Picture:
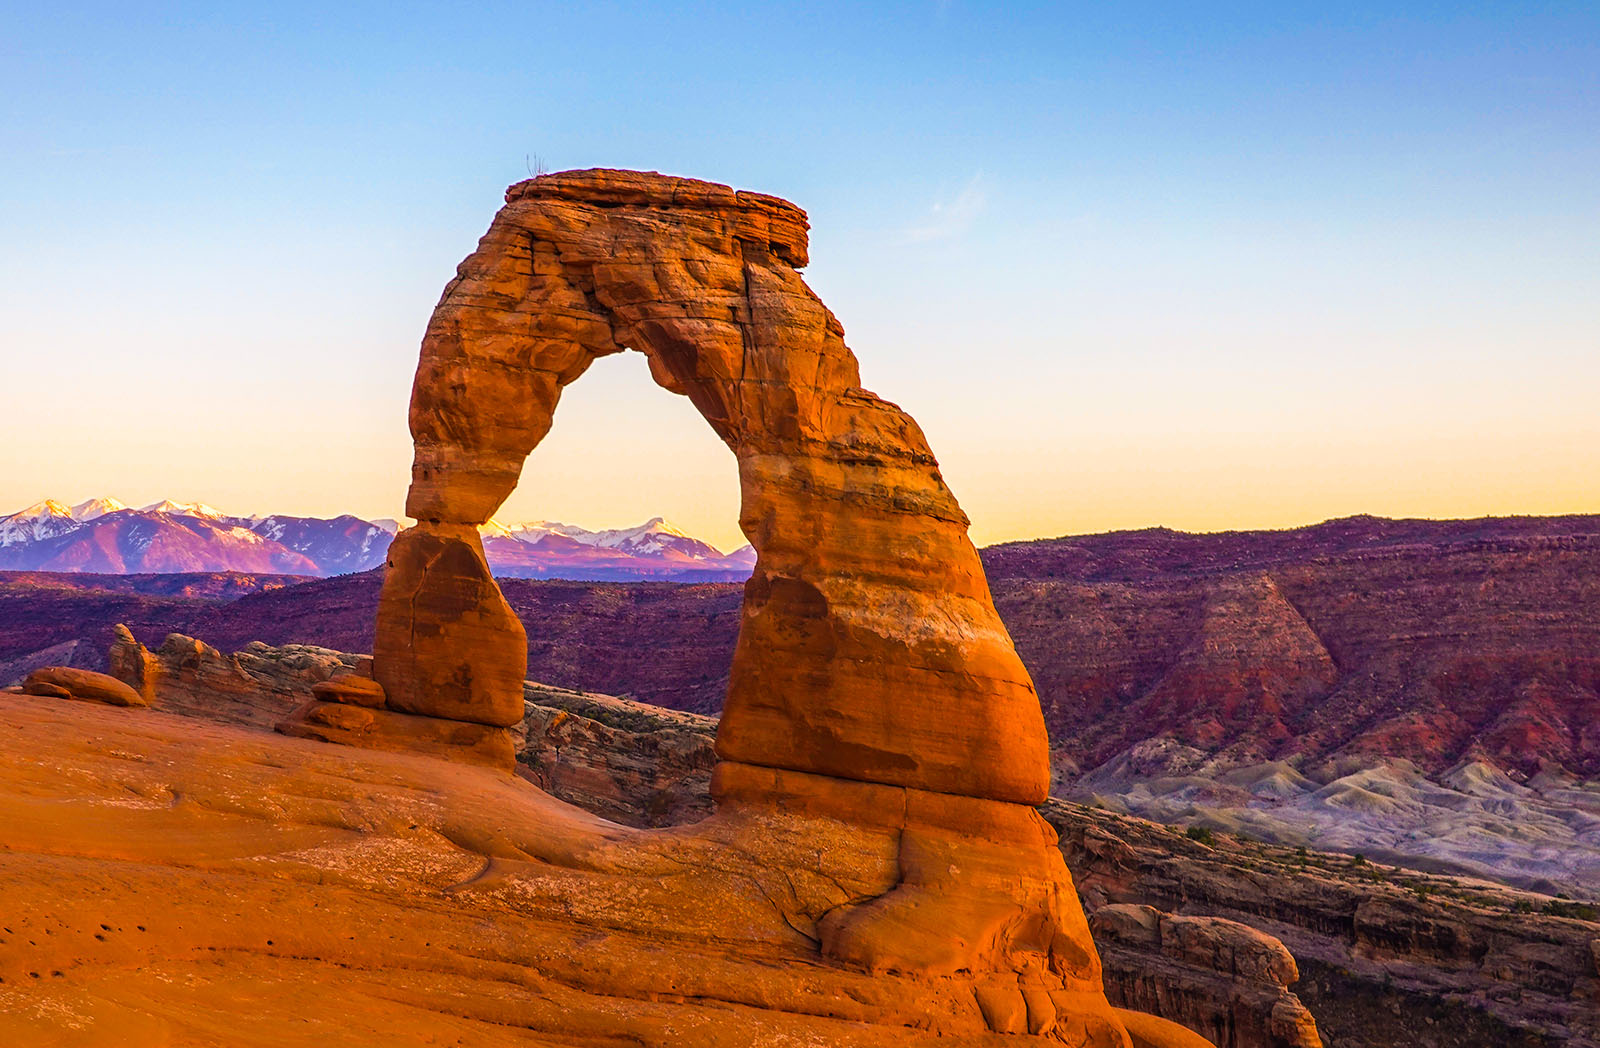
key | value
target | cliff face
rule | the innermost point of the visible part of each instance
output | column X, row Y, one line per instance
column 1219, row 977
column 632, row 763
column 1431, row 641
column 1448, row 962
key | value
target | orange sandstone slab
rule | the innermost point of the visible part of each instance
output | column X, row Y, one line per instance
column 171, row 882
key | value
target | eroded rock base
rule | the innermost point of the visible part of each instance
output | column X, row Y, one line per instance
column 162, row 877
column 349, row 724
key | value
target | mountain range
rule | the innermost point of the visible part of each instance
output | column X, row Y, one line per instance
column 105, row 536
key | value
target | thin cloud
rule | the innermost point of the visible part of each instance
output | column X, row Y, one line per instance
column 954, row 216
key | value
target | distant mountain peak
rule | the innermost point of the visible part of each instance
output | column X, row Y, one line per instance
column 44, row 519
column 183, row 509
column 41, row 510
column 94, row 508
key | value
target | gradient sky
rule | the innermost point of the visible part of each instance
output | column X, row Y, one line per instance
column 1207, row 266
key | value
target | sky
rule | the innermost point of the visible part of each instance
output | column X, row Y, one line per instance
column 1202, row 266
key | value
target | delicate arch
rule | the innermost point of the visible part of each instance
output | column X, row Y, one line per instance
column 869, row 647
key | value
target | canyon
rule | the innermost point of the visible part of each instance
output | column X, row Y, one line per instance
column 1419, row 691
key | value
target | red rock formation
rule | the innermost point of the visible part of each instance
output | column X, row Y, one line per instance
column 873, row 687
column 256, row 687
column 869, row 647
column 448, row 645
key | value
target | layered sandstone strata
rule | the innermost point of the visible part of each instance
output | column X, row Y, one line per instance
column 1385, row 956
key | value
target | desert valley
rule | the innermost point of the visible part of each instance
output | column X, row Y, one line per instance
column 461, row 585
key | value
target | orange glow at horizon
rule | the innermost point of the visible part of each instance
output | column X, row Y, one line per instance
column 623, row 450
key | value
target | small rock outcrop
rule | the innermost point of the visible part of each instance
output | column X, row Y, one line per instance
column 1213, row 975
column 258, row 686
column 68, row 682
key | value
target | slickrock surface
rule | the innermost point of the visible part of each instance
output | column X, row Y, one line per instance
column 168, row 881
column 645, row 766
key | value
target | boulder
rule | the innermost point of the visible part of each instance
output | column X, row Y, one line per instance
column 45, row 689
column 83, row 684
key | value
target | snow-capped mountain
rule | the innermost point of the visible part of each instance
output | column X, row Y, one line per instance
column 104, row 535
column 40, row 521
column 652, row 550
column 180, row 509
column 86, row 511
column 49, row 518
column 653, row 536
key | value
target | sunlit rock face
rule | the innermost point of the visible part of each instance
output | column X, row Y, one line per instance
column 869, row 647
column 877, row 712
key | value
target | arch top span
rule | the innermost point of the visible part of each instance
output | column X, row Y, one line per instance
column 750, row 216
column 869, row 647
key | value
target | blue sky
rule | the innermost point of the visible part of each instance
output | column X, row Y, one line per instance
column 1197, row 265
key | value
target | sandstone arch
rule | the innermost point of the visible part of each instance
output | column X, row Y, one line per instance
column 877, row 714
column 869, row 648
